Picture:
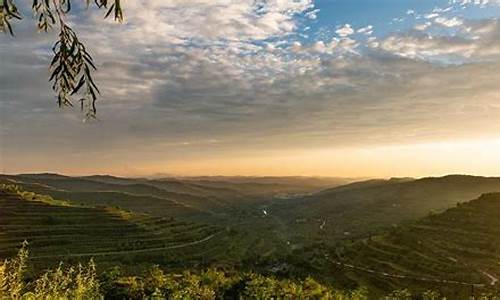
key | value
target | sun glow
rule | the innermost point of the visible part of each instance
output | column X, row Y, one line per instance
column 479, row 157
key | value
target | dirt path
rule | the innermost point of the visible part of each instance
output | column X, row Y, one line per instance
column 400, row 276
column 96, row 254
column 493, row 279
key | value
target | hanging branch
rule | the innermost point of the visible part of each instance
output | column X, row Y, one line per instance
column 8, row 11
column 72, row 66
column 71, row 71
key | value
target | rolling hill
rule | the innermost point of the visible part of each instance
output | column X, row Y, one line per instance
column 364, row 208
column 455, row 252
column 170, row 197
column 358, row 224
column 76, row 185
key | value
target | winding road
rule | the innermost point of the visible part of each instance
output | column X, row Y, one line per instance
column 492, row 278
column 95, row 254
column 400, row 276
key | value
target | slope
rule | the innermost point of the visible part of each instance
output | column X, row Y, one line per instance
column 358, row 210
column 443, row 252
column 57, row 231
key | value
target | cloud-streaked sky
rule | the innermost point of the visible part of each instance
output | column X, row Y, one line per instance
column 255, row 87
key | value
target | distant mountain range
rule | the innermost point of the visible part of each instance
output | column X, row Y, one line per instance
column 169, row 196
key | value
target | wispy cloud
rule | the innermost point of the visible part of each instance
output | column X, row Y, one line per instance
column 180, row 75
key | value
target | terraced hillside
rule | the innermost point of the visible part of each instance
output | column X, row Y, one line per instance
column 448, row 252
column 56, row 231
column 192, row 198
column 362, row 209
column 57, row 185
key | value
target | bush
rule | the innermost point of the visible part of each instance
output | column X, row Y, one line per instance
column 69, row 283
column 12, row 275
column 399, row 295
column 82, row 283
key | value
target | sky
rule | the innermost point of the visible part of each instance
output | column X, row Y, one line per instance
column 350, row 88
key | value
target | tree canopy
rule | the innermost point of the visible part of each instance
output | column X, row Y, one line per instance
column 72, row 65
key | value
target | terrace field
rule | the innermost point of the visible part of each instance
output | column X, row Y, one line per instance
column 379, row 234
column 456, row 252
column 71, row 233
column 365, row 208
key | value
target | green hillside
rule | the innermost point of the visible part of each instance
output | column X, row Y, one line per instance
column 367, row 229
column 76, row 185
column 455, row 252
column 58, row 231
column 182, row 198
column 361, row 209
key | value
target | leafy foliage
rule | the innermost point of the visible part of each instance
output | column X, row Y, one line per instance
column 12, row 275
column 71, row 70
column 31, row 196
column 217, row 284
column 72, row 65
column 70, row 283
column 83, row 282
column 8, row 11
column 399, row 295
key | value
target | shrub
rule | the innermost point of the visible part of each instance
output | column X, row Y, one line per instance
column 12, row 275
column 69, row 283
column 399, row 295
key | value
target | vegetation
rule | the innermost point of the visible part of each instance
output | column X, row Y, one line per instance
column 66, row 232
column 72, row 64
column 83, row 282
column 456, row 252
column 366, row 208
column 61, row 283
column 165, row 196
column 453, row 252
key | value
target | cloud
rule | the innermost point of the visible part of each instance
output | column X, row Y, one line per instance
column 368, row 30
column 431, row 16
column 422, row 27
column 181, row 73
column 424, row 46
column 183, row 20
column 481, row 3
column 449, row 22
column 345, row 30
column 479, row 41
column 335, row 47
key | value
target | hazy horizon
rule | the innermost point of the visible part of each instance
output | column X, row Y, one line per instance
column 193, row 176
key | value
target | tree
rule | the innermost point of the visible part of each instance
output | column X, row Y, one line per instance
column 72, row 65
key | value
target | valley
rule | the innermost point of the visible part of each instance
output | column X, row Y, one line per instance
column 383, row 235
